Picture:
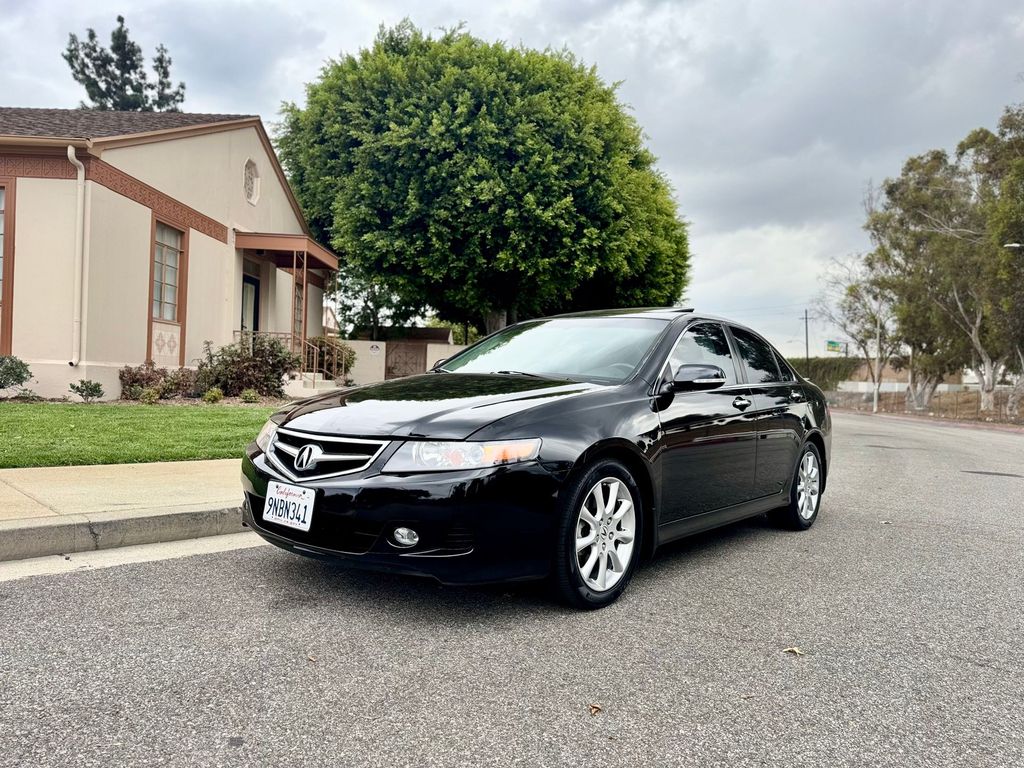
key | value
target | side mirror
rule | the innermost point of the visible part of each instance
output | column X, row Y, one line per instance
column 439, row 363
column 695, row 378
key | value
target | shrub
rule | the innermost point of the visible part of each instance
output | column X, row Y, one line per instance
column 150, row 395
column 213, row 395
column 826, row 372
column 250, row 396
column 87, row 389
column 14, row 373
column 180, row 383
column 257, row 362
column 134, row 392
column 145, row 376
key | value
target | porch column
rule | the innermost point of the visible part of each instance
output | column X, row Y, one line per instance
column 291, row 315
column 305, row 289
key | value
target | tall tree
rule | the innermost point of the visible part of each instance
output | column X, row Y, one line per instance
column 857, row 301
column 487, row 182
column 930, row 230
column 115, row 78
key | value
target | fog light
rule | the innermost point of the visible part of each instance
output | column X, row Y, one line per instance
column 405, row 537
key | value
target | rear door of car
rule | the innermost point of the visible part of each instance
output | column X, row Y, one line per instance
column 708, row 454
column 777, row 411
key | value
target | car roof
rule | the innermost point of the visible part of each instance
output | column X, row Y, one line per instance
column 660, row 313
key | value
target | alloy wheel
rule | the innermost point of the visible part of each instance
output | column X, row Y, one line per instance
column 605, row 533
column 808, row 486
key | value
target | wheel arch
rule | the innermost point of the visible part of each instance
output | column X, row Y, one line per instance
column 818, row 440
column 631, row 457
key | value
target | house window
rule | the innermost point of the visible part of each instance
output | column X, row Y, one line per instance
column 251, row 182
column 3, row 208
column 167, row 256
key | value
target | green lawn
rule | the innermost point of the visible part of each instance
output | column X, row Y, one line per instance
column 54, row 434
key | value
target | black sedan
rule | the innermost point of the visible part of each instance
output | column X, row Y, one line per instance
column 567, row 448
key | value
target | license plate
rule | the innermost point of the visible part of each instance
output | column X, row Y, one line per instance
column 289, row 505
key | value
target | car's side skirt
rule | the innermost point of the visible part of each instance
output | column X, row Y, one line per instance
column 688, row 526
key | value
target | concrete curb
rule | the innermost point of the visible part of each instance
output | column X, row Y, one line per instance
column 65, row 534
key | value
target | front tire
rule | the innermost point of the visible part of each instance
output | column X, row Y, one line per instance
column 805, row 494
column 599, row 536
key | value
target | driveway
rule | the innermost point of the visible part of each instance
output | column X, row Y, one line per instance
column 905, row 600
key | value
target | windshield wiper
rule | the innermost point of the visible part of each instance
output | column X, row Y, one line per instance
column 519, row 373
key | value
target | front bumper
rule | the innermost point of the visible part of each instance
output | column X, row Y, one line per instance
column 475, row 527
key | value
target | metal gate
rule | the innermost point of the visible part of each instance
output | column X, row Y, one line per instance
column 404, row 359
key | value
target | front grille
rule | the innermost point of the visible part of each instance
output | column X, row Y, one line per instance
column 309, row 456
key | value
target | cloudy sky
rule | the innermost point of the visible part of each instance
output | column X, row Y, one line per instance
column 769, row 117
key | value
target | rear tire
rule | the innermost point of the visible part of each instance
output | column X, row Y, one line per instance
column 805, row 493
column 599, row 536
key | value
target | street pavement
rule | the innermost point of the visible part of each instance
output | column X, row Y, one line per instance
column 905, row 600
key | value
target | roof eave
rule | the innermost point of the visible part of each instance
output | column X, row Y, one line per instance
column 43, row 141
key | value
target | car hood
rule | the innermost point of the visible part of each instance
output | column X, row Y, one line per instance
column 449, row 406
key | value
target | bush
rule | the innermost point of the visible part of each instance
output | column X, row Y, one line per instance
column 145, row 376
column 134, row 392
column 150, row 396
column 181, row 383
column 826, row 372
column 213, row 395
column 256, row 362
column 249, row 396
column 14, row 373
column 87, row 389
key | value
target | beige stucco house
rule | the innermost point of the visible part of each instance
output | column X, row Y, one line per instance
column 130, row 236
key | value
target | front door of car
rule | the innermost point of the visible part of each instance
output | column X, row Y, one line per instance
column 708, row 449
column 777, row 411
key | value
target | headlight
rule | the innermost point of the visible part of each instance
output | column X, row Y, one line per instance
column 266, row 435
column 434, row 456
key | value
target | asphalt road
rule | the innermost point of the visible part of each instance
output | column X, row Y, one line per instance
column 906, row 598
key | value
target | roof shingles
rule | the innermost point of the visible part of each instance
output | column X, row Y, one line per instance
column 96, row 124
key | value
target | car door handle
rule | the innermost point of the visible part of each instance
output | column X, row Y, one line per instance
column 741, row 402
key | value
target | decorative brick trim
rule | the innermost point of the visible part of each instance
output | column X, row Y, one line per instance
column 164, row 206
column 36, row 166
column 45, row 166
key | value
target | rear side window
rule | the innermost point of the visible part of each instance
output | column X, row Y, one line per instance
column 704, row 344
column 785, row 372
column 758, row 358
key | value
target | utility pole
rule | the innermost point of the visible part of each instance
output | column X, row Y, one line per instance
column 878, row 360
column 807, row 343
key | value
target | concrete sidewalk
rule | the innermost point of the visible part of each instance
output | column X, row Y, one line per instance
column 58, row 510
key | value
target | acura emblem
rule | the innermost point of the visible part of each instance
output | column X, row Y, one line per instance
column 307, row 457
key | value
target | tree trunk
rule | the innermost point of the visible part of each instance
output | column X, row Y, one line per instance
column 1016, row 401
column 495, row 320
column 986, row 373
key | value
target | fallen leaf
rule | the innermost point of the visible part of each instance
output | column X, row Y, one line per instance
column 311, row 658
column 795, row 650
column 595, row 709
column 887, row 522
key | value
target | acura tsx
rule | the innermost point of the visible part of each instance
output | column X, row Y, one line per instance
column 568, row 448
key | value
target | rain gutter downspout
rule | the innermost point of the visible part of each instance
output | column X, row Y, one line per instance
column 76, row 323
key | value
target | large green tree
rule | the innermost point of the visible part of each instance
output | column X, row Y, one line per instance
column 488, row 182
column 115, row 78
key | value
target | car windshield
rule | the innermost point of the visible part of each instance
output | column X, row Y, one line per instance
column 606, row 349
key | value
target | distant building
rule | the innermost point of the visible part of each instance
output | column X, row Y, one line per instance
column 134, row 236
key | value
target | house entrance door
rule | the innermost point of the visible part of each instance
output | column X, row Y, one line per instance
column 250, row 303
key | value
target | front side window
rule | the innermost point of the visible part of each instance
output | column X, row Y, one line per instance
column 167, row 254
column 758, row 358
column 587, row 348
column 703, row 344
